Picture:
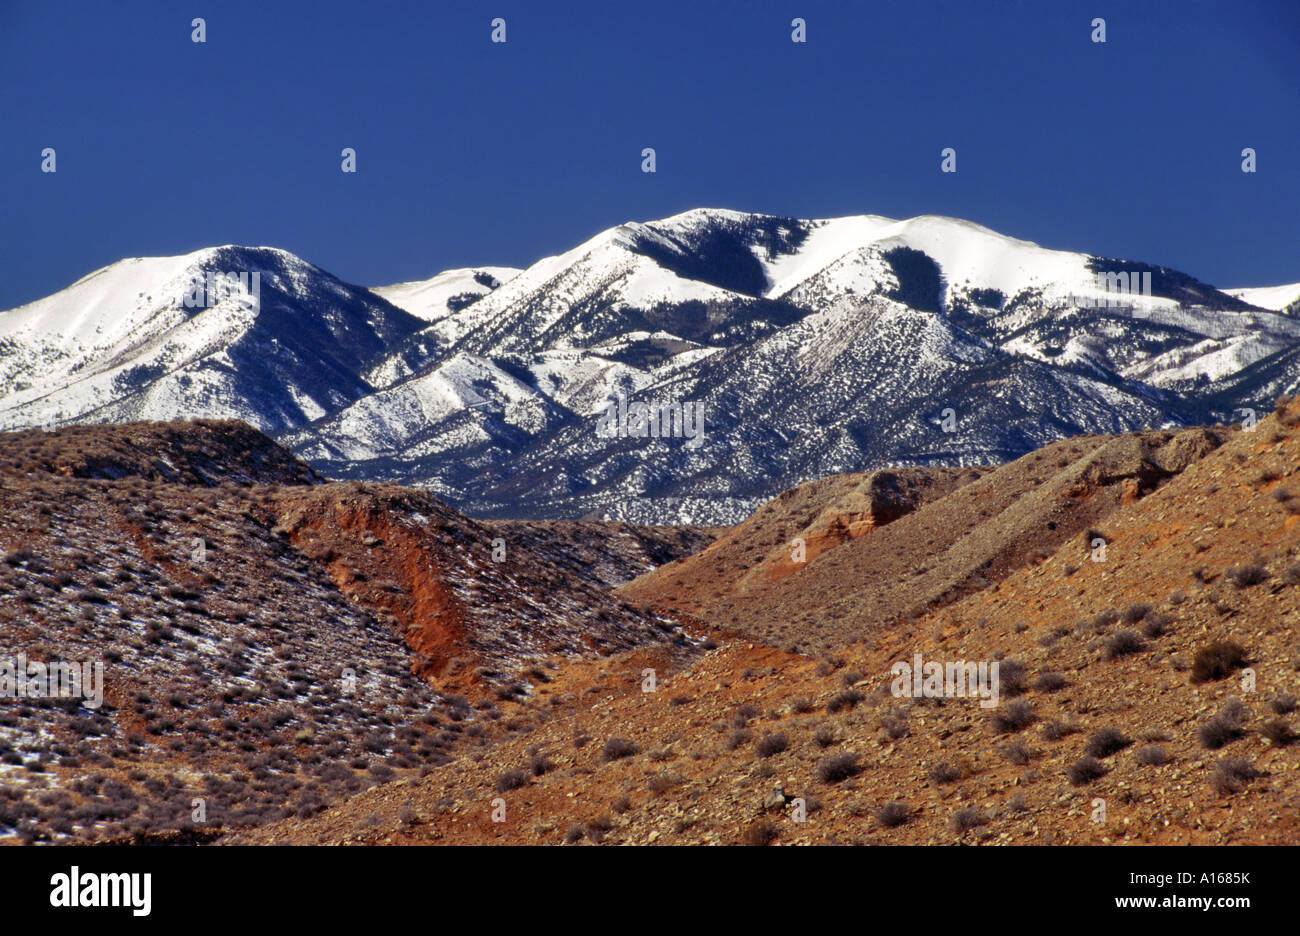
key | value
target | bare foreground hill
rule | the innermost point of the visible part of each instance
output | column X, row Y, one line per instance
column 287, row 660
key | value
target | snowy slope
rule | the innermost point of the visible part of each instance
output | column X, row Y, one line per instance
column 434, row 299
column 608, row 274
column 121, row 344
column 103, row 316
column 446, row 408
column 1276, row 298
column 966, row 252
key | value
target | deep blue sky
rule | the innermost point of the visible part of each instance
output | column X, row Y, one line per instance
column 474, row 153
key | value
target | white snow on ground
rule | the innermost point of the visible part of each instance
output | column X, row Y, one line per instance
column 1276, row 298
column 391, row 420
column 521, row 286
column 966, row 253
column 310, row 408
column 102, row 316
column 647, row 283
column 121, row 343
column 1215, row 358
column 608, row 265
column 427, row 299
column 825, row 244
column 77, row 343
column 80, row 314
column 682, row 224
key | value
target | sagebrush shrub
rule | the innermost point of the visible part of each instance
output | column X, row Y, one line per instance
column 1232, row 773
column 1105, row 742
column 944, row 772
column 1278, row 732
column 1217, row 660
column 662, row 782
column 1153, row 755
column 1283, row 704
column 1085, row 770
column 616, row 748
column 844, row 700
column 772, row 744
column 838, row 767
column 738, row 739
column 892, row 815
column 1124, row 643
column 1016, row 751
column 1012, row 678
column 1226, row 726
column 1244, row 576
column 967, row 818
column 1050, row 682
column 1156, row 625
column 1136, row 612
column 1104, row 619
column 1012, row 717
column 894, row 726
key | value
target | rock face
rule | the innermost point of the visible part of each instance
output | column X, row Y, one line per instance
column 474, row 623
column 879, row 498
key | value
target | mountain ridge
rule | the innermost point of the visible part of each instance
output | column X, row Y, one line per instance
column 815, row 346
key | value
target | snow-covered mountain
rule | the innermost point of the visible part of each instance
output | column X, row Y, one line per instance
column 813, row 347
column 138, row 340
